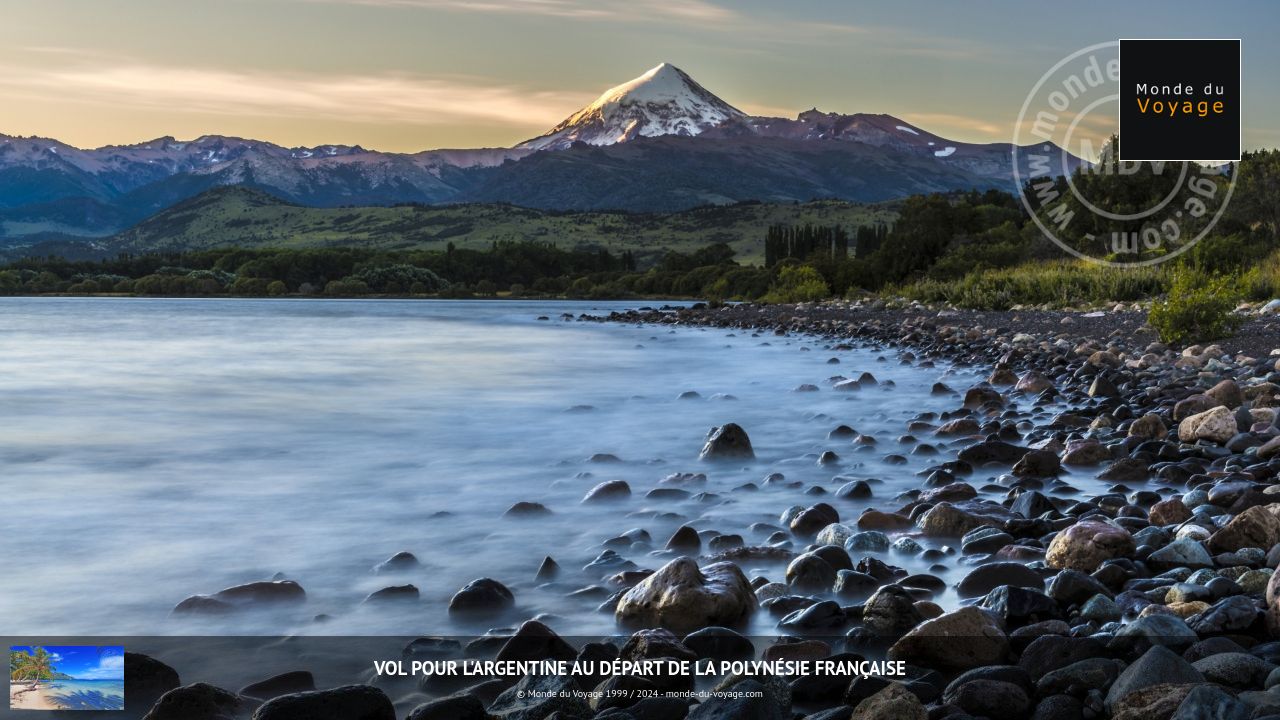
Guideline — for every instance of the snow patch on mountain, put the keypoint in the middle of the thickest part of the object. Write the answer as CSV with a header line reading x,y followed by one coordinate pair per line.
x,y
663,101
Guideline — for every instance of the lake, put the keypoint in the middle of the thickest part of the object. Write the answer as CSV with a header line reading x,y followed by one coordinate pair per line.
x,y
154,449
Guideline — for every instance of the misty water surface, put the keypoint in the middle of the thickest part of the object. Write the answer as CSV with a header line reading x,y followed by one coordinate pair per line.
x,y
156,449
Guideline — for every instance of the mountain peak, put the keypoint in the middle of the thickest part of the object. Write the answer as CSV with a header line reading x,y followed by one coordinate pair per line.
x,y
662,101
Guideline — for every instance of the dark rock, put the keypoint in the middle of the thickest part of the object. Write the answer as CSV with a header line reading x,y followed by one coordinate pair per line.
x,y
751,699
621,691
536,697
1072,587
719,643
1234,669
854,585
812,519
985,578
400,562
1020,606
1032,504
1037,464
1050,652
608,491
1207,702
352,702
992,451
1080,677
826,615
1059,707
527,509
727,442
1157,666
249,595
655,643
147,679
484,596
535,641
458,707
990,698
685,539
199,701
890,612
282,684
683,597
548,570
810,573
393,594
1231,614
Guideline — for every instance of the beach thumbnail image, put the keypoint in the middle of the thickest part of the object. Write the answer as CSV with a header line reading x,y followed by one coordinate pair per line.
x,y
66,677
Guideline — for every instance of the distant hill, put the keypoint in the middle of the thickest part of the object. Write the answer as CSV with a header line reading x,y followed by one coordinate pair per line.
x,y
245,217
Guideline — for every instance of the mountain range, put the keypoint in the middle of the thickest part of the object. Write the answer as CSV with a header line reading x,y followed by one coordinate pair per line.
x,y
658,143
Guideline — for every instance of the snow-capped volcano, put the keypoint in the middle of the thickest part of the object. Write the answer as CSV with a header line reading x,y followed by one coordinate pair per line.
x,y
663,101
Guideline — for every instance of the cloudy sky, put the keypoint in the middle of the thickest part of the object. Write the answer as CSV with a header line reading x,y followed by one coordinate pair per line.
x,y
409,75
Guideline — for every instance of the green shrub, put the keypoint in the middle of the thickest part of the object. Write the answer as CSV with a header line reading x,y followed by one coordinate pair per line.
x,y
1058,284
398,278
1197,308
798,283
346,287
276,288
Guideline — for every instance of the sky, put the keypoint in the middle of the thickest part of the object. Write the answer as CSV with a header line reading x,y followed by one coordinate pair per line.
x,y
85,662
410,75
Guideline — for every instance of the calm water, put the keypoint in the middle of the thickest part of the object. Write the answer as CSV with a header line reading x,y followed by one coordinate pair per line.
x,y
155,449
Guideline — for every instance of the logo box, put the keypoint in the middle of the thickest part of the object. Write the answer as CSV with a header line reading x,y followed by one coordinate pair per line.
x,y
1180,100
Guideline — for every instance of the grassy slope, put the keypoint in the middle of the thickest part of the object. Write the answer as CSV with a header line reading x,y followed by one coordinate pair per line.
x,y
246,218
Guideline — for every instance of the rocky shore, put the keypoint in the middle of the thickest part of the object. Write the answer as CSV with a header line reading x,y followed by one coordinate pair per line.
x,y
1149,595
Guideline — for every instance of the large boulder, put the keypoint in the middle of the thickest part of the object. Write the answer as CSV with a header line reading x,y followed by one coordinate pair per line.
x,y
1215,425
958,640
727,442
1256,527
1085,545
682,597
